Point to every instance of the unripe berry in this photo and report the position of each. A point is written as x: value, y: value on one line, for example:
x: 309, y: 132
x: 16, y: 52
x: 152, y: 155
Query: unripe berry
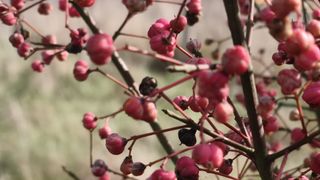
x: 147, y: 85
x: 161, y: 174
x: 193, y: 45
x: 187, y: 136
x: 307, y: 59
x: 182, y: 102
x: 37, y: 66
x: 99, y: 168
x: 223, y: 111
x: 311, y: 94
x: 115, y: 143
x: 81, y: 70
x: 85, y: 3
x: 235, y: 60
x: 24, y: 49
x: 198, y: 103
x: 16, y: 39
x: 100, y: 48
x: 226, y: 167
x: 297, y: 134
x: 45, y: 8
x: 126, y: 165
x: 294, y: 115
x: 89, y: 121
x: 178, y: 24
x: 138, y: 168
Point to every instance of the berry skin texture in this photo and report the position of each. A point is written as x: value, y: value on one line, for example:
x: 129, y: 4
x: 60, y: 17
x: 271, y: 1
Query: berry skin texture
x: 81, y: 70
x: 289, y: 80
x: 99, y: 168
x: 140, y: 109
x: 161, y: 174
x: 201, y: 154
x: 307, y: 59
x: 115, y: 143
x: 37, y: 66
x: 100, y: 48
x: 158, y: 27
x: 178, y: 24
x: 298, y: 42
x: 89, y: 121
x: 235, y: 60
x: 311, y: 94
x: 85, y: 3
x: 223, y: 111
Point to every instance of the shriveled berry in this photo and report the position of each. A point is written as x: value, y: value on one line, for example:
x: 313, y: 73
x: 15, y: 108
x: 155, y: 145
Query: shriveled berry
x: 182, y: 102
x: 138, y: 168
x: 147, y: 85
x: 187, y: 136
x: 115, y: 143
x: 126, y: 165
x: 99, y: 168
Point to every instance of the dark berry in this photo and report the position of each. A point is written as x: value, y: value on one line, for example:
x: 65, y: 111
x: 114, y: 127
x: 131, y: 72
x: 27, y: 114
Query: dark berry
x: 187, y: 136
x: 147, y: 85
x: 192, y: 18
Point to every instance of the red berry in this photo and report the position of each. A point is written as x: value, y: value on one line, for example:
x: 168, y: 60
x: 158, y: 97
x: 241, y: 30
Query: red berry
x: 85, y: 3
x: 8, y: 18
x: 99, y: 168
x: 201, y: 154
x: 16, y: 39
x: 315, y: 163
x: 106, y: 176
x: 126, y: 165
x: 178, y: 24
x: 49, y: 39
x: 115, y: 143
x: 271, y: 124
x: 37, y: 66
x: 162, y: 45
x: 100, y: 48
x: 47, y: 56
x: 194, y: 6
x: 282, y: 8
x: 297, y: 134
x: 182, y: 102
x: 105, y: 131
x: 235, y: 60
x: 89, y: 121
x: 140, y: 109
x: 45, y: 8
x: 226, y: 167
x: 24, y: 49
x: 298, y: 42
x: 216, y: 155
x: 62, y: 56
x: 223, y: 111
x: 158, y: 27
x: 307, y: 59
x: 314, y: 28
x: 198, y: 103
x: 18, y: 4
x: 289, y: 80
x: 311, y: 94
x: 186, y: 169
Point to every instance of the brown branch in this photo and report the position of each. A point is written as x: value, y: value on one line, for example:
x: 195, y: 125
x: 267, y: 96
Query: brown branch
x: 70, y: 173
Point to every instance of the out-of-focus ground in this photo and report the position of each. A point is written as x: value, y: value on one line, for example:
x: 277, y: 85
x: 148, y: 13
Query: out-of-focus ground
x: 40, y: 125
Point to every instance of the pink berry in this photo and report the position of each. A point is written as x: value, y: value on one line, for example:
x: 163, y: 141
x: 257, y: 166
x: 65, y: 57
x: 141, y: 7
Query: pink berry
x: 235, y: 60
x: 216, y: 155
x: 201, y: 154
x: 105, y: 131
x: 162, y: 45
x: 289, y: 80
x: 315, y: 162
x: 37, y: 66
x: 197, y: 103
x: 63, y: 5
x: 226, y: 167
x: 45, y: 8
x: 279, y: 58
x: 106, y: 176
x: 297, y: 134
x: 316, y: 14
x: 115, y: 143
x: 267, y: 15
x: 214, y: 86
x: 282, y: 8
x: 16, y: 39
x: 24, y: 49
x: 133, y: 107
x: 89, y: 121
x: 99, y: 168
x: 158, y: 27
x: 8, y: 18
x: 100, y: 48
x: 135, y: 6
x: 311, y: 94
x: 182, y: 102
x: 81, y: 70
x: 223, y: 111
x: 47, y: 56
x: 73, y: 12
x: 18, y: 4
x: 225, y: 148
x: 186, y: 169
x: 138, y: 168
x: 85, y: 3
x: 178, y: 24
x: 314, y: 28
x: 62, y: 56
x: 298, y: 42
x: 307, y: 59
x: 150, y: 112
x: 161, y: 174
x: 126, y: 165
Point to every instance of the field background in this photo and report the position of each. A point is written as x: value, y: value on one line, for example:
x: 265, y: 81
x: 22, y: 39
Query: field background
x: 40, y: 124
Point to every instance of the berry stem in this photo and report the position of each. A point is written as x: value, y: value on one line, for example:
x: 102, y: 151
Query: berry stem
x: 120, y: 83
x: 117, y: 33
x: 32, y: 28
x: 244, y: 169
x: 151, y: 54
x: 296, y: 97
x: 132, y: 35
x: 217, y: 173
x: 244, y: 137
x: 168, y: 2
x: 90, y: 149
x: 70, y: 173
x: 184, y: 51
x: 111, y: 115
x: 283, y: 163
x: 183, y: 4
x: 29, y: 7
